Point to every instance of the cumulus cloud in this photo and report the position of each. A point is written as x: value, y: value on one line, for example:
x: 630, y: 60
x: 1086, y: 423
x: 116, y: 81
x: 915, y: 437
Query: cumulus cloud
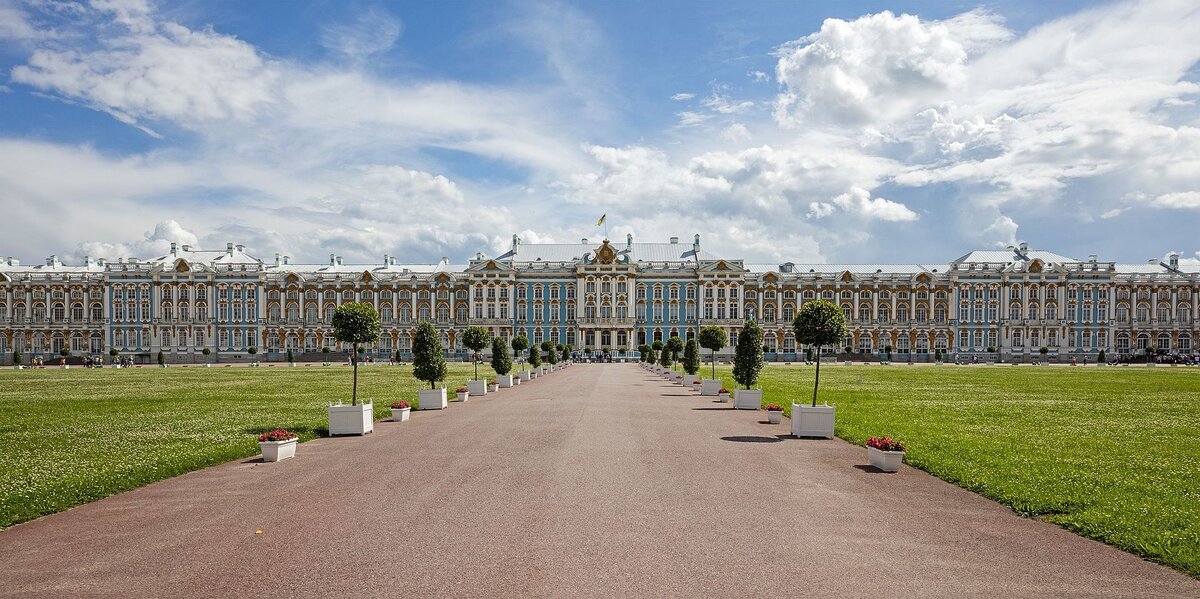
x: 735, y: 133
x: 858, y: 202
x: 154, y: 243
x: 1183, y: 199
x: 1002, y: 232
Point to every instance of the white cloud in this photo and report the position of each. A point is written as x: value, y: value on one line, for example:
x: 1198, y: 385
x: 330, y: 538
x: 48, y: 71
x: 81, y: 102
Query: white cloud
x: 1113, y: 213
x: 154, y: 243
x: 735, y: 133
x: 859, y: 202
x: 679, y: 97
x: 1183, y: 199
x: 720, y: 103
x: 371, y: 31
x: 689, y: 118
x: 758, y: 76
x: 1002, y: 232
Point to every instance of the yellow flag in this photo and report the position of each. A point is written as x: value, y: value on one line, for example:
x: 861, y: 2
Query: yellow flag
x: 602, y: 217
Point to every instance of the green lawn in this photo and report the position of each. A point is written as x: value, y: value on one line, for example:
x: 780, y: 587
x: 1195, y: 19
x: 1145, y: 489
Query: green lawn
x: 73, y: 436
x: 1109, y: 453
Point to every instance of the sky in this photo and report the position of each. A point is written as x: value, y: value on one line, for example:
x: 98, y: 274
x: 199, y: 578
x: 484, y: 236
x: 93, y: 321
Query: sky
x: 842, y: 132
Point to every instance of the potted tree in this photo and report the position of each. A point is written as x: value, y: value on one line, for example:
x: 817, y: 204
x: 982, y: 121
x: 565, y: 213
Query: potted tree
x: 664, y: 361
x: 888, y: 349
x: 429, y: 365
x: 566, y: 354
x: 1043, y: 350
x: 277, y: 445
x: 325, y: 357
x: 674, y: 346
x: 475, y: 339
x: 112, y: 357
x: 535, y: 362
x: 655, y: 351
x: 714, y: 340
x: 17, y: 359
x: 774, y: 413
x: 354, y: 323
x: 691, y: 362
x: 501, y: 363
x: 519, y: 344
x: 937, y: 356
x: 548, y: 359
x: 206, y: 352
x: 1101, y: 358
x: 291, y: 358
x: 747, y: 363
x: 400, y: 411
x: 818, y: 323
x: 162, y: 360
x: 885, y: 453
x: 252, y: 350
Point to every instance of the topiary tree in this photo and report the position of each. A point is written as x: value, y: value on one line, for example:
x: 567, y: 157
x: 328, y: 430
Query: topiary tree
x: 714, y: 340
x: 535, y: 357
x: 64, y: 352
x: 674, y: 346
x: 17, y: 357
x: 664, y: 357
x: 519, y: 344
x: 748, y: 356
x: 355, y: 323
x: 691, y: 357
x: 475, y: 339
x: 252, y: 350
x: 112, y: 352
x: 291, y: 358
x: 566, y: 351
x: 1150, y: 351
x: 162, y: 360
x: 429, y: 361
x: 325, y: 349
x: 207, y: 352
x: 501, y: 363
x: 888, y: 349
x: 819, y: 323
x: 1101, y: 358
x: 937, y: 355
x: 652, y: 353
x: 548, y: 349
x: 1045, y: 350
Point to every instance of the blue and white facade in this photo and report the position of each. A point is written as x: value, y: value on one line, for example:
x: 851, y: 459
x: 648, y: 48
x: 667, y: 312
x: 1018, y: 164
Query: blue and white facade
x: 603, y: 296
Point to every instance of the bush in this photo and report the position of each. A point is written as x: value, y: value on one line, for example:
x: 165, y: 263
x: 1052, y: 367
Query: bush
x: 17, y: 356
x: 161, y: 358
x: 429, y: 365
x: 325, y: 349
x: 354, y: 323
x: 551, y: 356
x: 642, y: 351
x: 501, y: 363
x: 651, y: 355
x: 252, y: 350
x: 1101, y: 358
x: 819, y: 323
x: 64, y: 352
x: 691, y: 357
x: 535, y: 357
x: 114, y: 353
x: 748, y: 358
x: 204, y: 351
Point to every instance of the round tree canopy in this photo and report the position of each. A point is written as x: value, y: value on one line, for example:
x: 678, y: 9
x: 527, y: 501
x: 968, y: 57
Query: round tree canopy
x: 820, y: 323
x: 356, y: 323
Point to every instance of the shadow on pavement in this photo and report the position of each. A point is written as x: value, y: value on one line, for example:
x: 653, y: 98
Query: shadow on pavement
x: 751, y: 439
x: 871, y: 469
x: 714, y: 409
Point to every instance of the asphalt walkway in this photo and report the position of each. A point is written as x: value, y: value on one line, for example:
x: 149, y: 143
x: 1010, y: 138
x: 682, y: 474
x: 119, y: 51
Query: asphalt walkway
x: 597, y: 481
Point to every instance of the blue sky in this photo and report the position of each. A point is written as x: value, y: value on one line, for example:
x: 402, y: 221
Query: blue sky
x: 798, y: 131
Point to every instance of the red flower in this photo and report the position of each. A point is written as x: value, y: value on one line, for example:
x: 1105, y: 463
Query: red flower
x: 277, y: 435
x: 886, y: 444
x: 774, y: 407
x: 399, y: 405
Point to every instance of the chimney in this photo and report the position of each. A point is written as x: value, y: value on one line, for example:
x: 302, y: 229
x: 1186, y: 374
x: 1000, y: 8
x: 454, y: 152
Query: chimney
x: 696, y: 243
x: 629, y: 240
x: 583, y: 241
x: 1024, y: 247
x: 277, y: 259
x: 516, y: 242
x: 229, y: 249
x: 172, y: 248
x: 287, y: 259
x: 186, y: 247
x: 52, y: 260
x: 240, y: 247
x: 1173, y: 260
x: 674, y: 240
x: 1154, y: 261
x: 445, y: 260
x: 1092, y: 258
x: 339, y: 260
x: 332, y: 260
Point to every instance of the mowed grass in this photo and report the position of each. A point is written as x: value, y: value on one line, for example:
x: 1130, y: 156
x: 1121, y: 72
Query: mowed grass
x: 68, y: 437
x: 1109, y: 453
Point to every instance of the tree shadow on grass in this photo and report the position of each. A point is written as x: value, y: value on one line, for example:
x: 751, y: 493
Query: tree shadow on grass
x: 751, y: 439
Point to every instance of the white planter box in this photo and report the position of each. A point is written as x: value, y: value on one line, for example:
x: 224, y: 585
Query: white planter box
x: 775, y: 416
x: 516, y: 382
x: 543, y: 370
x: 400, y: 414
x: 351, y: 420
x: 273, y: 451
x: 506, y: 380
x: 809, y: 421
x: 462, y: 396
x: 432, y: 399
x: 492, y: 388
x: 477, y: 387
x: 688, y: 379
x: 710, y: 386
x: 722, y: 397
x: 747, y: 399
x: 524, y: 375
x: 888, y: 461
x: 533, y: 374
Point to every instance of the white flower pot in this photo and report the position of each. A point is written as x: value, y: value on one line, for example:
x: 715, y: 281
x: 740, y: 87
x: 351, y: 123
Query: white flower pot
x: 351, y: 420
x: 506, y: 380
x: 400, y: 414
x: 722, y: 397
x: 477, y: 387
x: 462, y: 396
x: 524, y: 375
x: 774, y: 416
x: 516, y: 382
x: 809, y: 421
x: 710, y: 386
x: 432, y: 399
x: 533, y: 374
x: 747, y: 399
x: 273, y: 451
x: 494, y: 387
x: 888, y: 461
x: 543, y: 370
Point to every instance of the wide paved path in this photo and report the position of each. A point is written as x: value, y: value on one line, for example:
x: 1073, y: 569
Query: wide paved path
x: 600, y: 480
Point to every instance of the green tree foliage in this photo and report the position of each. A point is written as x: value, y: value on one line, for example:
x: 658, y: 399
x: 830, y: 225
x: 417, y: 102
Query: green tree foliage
x: 748, y: 357
x: 519, y: 344
x: 714, y: 340
x: 548, y: 347
x: 1101, y: 358
x: 501, y: 363
x: 161, y: 359
x: 476, y: 338
x: 691, y: 356
x: 642, y: 351
x: 664, y: 358
x: 291, y: 358
x: 819, y: 323
x: 674, y: 346
x: 17, y: 357
x: 429, y: 363
x: 535, y: 357
x: 356, y: 323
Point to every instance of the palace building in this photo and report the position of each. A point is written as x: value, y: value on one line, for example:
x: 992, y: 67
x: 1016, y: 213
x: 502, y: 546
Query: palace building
x: 606, y: 296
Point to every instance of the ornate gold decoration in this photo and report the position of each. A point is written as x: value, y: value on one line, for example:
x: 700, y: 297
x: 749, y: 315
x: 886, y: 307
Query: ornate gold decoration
x: 606, y: 254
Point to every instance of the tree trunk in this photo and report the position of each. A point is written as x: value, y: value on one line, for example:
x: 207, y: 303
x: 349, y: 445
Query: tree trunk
x: 354, y: 396
x: 817, y: 381
x: 475, y: 359
x: 714, y: 363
